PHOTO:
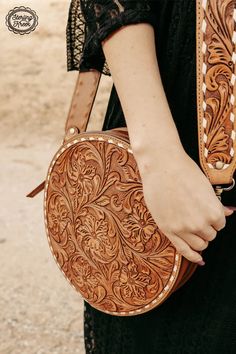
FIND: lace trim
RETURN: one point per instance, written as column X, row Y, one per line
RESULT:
column 90, row 22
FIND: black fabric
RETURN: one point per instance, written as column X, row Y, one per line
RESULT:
column 91, row 21
column 200, row 318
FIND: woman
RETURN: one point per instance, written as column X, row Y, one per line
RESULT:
column 149, row 48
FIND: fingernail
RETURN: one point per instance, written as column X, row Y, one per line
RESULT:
column 232, row 208
column 201, row 263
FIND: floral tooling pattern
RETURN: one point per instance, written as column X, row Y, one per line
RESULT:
column 218, row 138
column 102, row 235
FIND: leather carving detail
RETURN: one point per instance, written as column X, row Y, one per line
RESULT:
column 216, row 102
column 100, row 232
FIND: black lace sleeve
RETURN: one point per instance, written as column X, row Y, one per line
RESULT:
column 91, row 21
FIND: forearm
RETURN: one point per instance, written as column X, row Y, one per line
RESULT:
column 131, row 56
column 189, row 218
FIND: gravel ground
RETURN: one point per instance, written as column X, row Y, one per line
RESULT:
column 40, row 312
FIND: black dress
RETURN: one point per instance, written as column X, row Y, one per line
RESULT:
column 200, row 318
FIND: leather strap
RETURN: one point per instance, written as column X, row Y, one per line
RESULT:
column 82, row 102
column 216, row 90
column 80, row 110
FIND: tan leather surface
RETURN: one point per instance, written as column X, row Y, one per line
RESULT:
column 215, row 92
column 82, row 101
column 36, row 190
column 99, row 229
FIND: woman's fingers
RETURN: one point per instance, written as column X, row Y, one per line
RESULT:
column 196, row 242
column 196, row 239
column 184, row 249
column 217, row 220
column 229, row 210
column 188, row 244
column 208, row 233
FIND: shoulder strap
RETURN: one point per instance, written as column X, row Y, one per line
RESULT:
column 84, row 95
column 216, row 89
column 82, row 102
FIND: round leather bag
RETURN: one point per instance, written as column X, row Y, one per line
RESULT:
column 100, row 231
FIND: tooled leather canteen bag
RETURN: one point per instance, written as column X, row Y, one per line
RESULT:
column 100, row 232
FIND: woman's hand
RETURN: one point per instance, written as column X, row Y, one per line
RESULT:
column 177, row 193
column 182, row 201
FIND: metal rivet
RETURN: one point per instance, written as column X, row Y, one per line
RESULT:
column 219, row 165
column 72, row 130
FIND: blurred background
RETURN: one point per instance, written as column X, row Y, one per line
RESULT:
column 40, row 312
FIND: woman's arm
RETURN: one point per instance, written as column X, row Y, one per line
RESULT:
column 177, row 193
column 131, row 56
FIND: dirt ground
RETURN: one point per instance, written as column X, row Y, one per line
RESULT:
column 40, row 313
